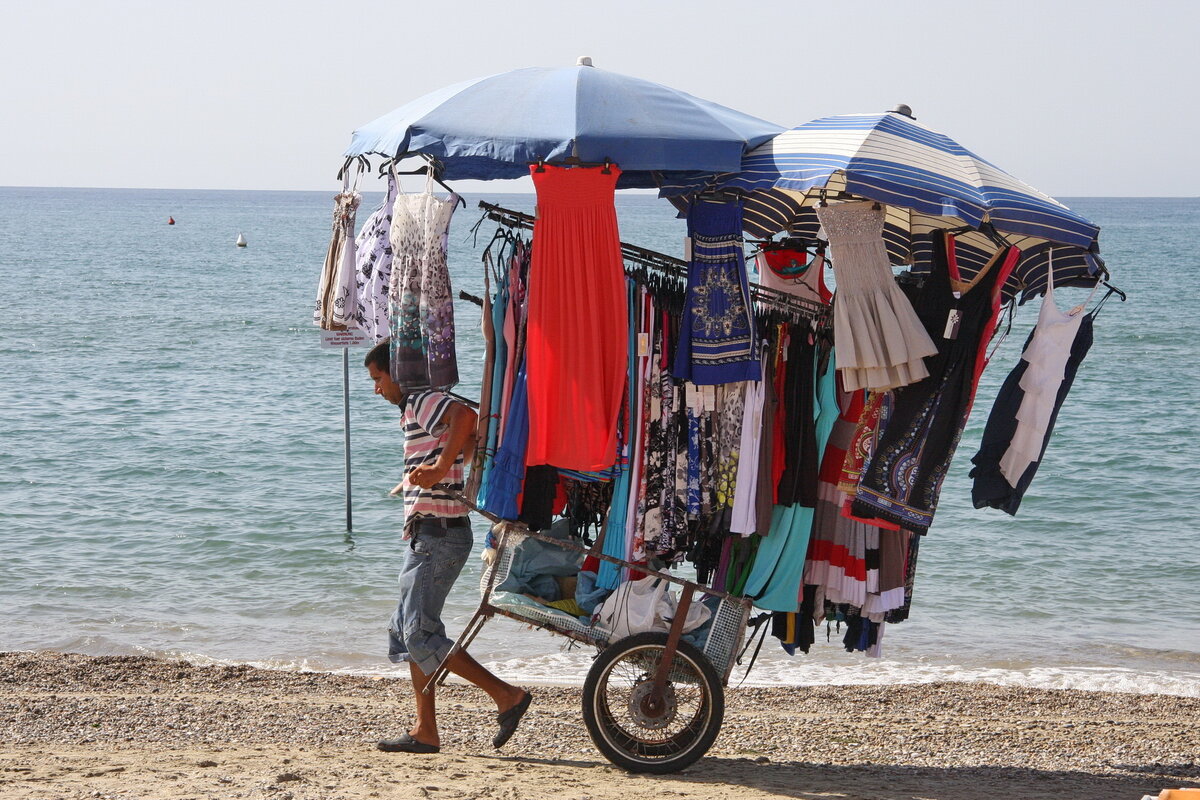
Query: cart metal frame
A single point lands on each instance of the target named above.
(721, 648)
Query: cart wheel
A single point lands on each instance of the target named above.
(627, 729)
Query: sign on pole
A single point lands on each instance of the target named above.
(351, 338)
(345, 340)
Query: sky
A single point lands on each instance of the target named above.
(1075, 98)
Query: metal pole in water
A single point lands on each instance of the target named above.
(346, 423)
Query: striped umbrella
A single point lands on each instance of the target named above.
(927, 181)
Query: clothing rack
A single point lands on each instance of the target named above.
(818, 313)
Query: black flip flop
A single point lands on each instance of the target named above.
(509, 720)
(406, 744)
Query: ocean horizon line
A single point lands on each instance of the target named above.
(500, 190)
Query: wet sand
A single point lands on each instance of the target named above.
(75, 726)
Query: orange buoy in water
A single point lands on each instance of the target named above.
(170, 220)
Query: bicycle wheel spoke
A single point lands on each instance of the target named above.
(663, 730)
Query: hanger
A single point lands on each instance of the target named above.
(364, 166)
(1111, 291)
(573, 161)
(823, 199)
(423, 170)
(1103, 281)
(989, 230)
(343, 174)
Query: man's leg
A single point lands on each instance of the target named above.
(425, 728)
(504, 694)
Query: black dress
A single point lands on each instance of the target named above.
(902, 480)
(991, 488)
(798, 483)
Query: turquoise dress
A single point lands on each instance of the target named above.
(775, 578)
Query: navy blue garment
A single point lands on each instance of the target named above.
(716, 334)
(991, 488)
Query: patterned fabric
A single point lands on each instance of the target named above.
(420, 308)
(671, 459)
(373, 267)
(650, 520)
(716, 340)
(862, 443)
(695, 413)
(902, 481)
(732, 405)
(636, 547)
(336, 303)
(425, 435)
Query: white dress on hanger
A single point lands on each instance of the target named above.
(744, 517)
(1047, 354)
(880, 341)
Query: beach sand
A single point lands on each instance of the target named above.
(75, 726)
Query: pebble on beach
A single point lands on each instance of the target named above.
(141, 727)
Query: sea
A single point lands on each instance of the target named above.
(172, 472)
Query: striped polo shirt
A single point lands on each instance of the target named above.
(424, 438)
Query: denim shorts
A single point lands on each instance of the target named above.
(436, 554)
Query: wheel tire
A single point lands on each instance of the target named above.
(624, 671)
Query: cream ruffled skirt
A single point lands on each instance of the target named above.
(881, 343)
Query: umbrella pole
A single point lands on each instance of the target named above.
(346, 426)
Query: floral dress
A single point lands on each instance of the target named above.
(420, 308)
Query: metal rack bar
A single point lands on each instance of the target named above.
(810, 309)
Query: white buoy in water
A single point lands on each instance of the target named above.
(241, 242)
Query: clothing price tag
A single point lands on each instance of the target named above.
(710, 398)
(350, 338)
(952, 323)
(695, 398)
(687, 248)
(643, 344)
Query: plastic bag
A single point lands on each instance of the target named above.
(645, 605)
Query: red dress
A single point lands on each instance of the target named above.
(577, 330)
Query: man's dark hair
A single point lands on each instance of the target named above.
(379, 356)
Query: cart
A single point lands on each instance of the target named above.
(652, 702)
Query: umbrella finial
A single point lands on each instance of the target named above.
(583, 61)
(903, 109)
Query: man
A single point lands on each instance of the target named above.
(437, 432)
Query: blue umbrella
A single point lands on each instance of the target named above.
(926, 179)
(494, 127)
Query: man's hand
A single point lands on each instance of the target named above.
(426, 476)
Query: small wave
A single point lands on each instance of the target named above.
(570, 668)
